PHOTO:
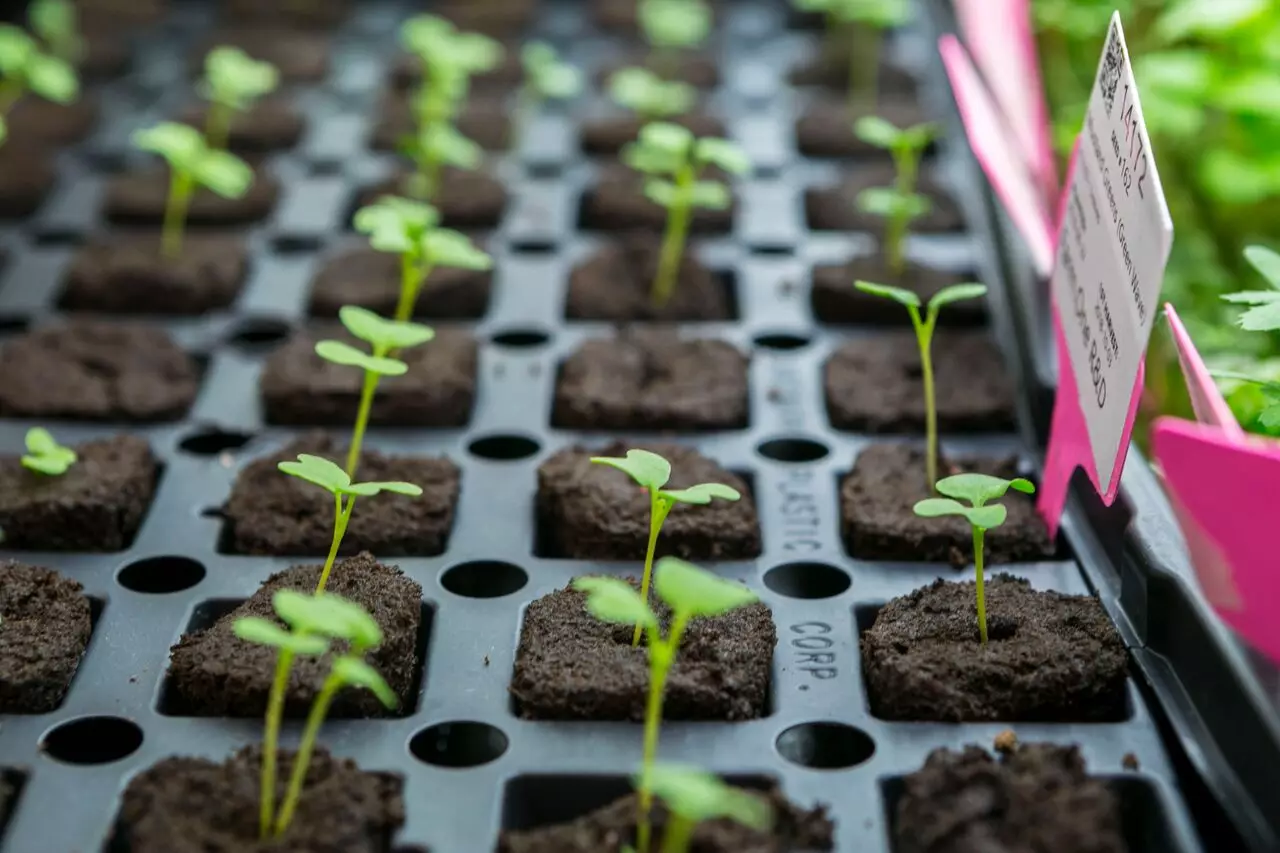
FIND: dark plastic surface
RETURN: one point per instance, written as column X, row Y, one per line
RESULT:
column 469, row 764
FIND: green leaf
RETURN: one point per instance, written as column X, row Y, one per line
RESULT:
column 711, row 195
column 45, row 455
column 328, row 614
column 614, row 600
column 1265, row 261
column 645, row 467
column 877, row 131
column 935, row 507
column 51, row 466
column 395, row 224
column 897, row 294
column 674, row 23
column 917, row 137
column 317, row 470
column 986, row 517
column 547, row 75
column 648, row 95
column 957, row 293
column 421, row 33
column 663, row 193
column 224, row 173
column 703, row 493
column 40, row 441
column 667, row 136
column 372, row 488
column 52, row 79
column 1019, row 484
column 699, row 796
column 1256, row 92
column 54, row 21
column 354, row 672
column 651, row 161
column 236, row 79
column 180, row 144
column 16, row 48
column 976, row 488
column 1264, row 318
column 689, row 589
column 450, row 147
column 723, row 153
column 388, row 334
column 449, row 248
column 1196, row 18
column 888, row 202
column 266, row 633
column 342, row 353
column 1270, row 417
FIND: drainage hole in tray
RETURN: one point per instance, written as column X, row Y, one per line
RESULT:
column 458, row 744
column 807, row 580
column 781, row 341
column 211, row 441
column 503, row 448
column 484, row 579
column 159, row 575
column 258, row 332
column 92, row 740
column 521, row 338
column 792, row 449
column 825, row 746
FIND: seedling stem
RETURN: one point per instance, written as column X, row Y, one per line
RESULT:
column 673, row 238
column 175, row 214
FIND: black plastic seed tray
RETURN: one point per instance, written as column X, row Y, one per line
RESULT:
column 471, row 766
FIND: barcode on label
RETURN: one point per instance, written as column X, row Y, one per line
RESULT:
column 1112, row 66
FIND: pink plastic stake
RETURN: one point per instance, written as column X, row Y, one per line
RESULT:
column 1206, row 399
column 991, row 141
column 1223, row 491
column 999, row 35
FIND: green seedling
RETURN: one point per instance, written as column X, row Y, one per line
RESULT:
column 694, row 796
column 924, row 339
column 410, row 229
column 328, row 476
column 651, row 472
column 233, row 81
column 25, row 68
column 649, row 96
column 900, row 204
column 860, row 24
column 690, row 593
column 313, row 621
column 1263, row 315
column 673, row 158
column 386, row 338
column 192, row 163
column 45, row 455
column 671, row 26
column 54, row 23
column 977, row 489
column 546, row 78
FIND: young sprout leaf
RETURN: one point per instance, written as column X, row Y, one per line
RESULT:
column 648, row 95
column 185, row 150
column 689, row 589
column 547, row 75
column 712, row 195
column 318, row 471
column 897, row 294
column 714, row 151
column 448, row 248
column 266, row 633
column 45, row 455
column 421, row 33
column 674, row 23
column 877, row 131
column 54, row 21
column 387, row 334
column 224, row 173
column 614, row 600
column 666, row 136
column 645, row 467
column 703, row 493
column 356, row 673
column 980, row 488
column 16, row 48
column 234, row 78
column 1266, row 262
column 985, row 517
column 699, row 796
column 956, row 293
column 52, row 79
column 887, row 202
column 447, row 145
column 370, row 489
column 342, row 353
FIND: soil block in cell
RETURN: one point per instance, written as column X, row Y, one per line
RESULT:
column 571, row 666
column 362, row 276
column 187, row 803
column 127, row 274
column 212, row 672
column 105, row 55
column 616, row 283
column 825, row 128
column 835, row 208
column 298, row 56
column 700, row 70
column 588, row 511
column 877, row 521
column 96, row 371
column 467, row 199
column 406, row 71
column 97, row 505
column 299, row 388
column 46, row 619
column 1038, row 798
column 35, row 121
column 834, row 299
column 894, row 84
column 608, row 135
column 1049, row 656
column 651, row 379
column 486, row 122
column 141, row 197
column 270, row 124
column 316, row 14
column 605, row 828
column 270, row 513
column 26, row 176
column 492, row 17
column 617, row 203
column 875, row 384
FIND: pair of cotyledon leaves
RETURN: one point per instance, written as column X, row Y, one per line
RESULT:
column 883, row 14
column 674, row 23
column 652, row 472
column 977, row 489
column 669, row 149
column 45, row 455
column 332, row 478
column 945, row 296
column 688, row 590
column 905, row 143
column 648, row 95
column 22, row 60
column 235, row 79
column 447, row 51
column 698, row 796
column 186, row 151
column 546, row 74
column 402, row 226
column 385, row 336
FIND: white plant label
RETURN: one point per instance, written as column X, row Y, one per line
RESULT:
column 1112, row 249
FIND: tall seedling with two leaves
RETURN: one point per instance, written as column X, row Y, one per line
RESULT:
column 232, row 82
column 924, row 340
column 673, row 159
column 24, row 68
column 314, row 621
column 651, row 472
column 671, row 26
column 411, row 230
column 900, row 204
column 978, row 490
column 691, row 593
column 192, row 163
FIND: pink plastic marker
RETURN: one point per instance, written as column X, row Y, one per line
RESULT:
column 991, row 141
column 990, row 28
column 1206, row 399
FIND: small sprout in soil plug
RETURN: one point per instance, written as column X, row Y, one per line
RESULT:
column 314, row 621
column 327, row 475
column 690, row 592
column 409, row 229
column 862, row 23
column 649, row 96
column 45, row 455
column 665, row 149
column 652, row 472
column 671, row 26
column 192, row 163
column 386, row 337
column 977, row 489
column 546, row 78
column 233, row 80
column 899, row 204
column 924, row 339
column 694, row 796
column 54, row 22
column 25, row 68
